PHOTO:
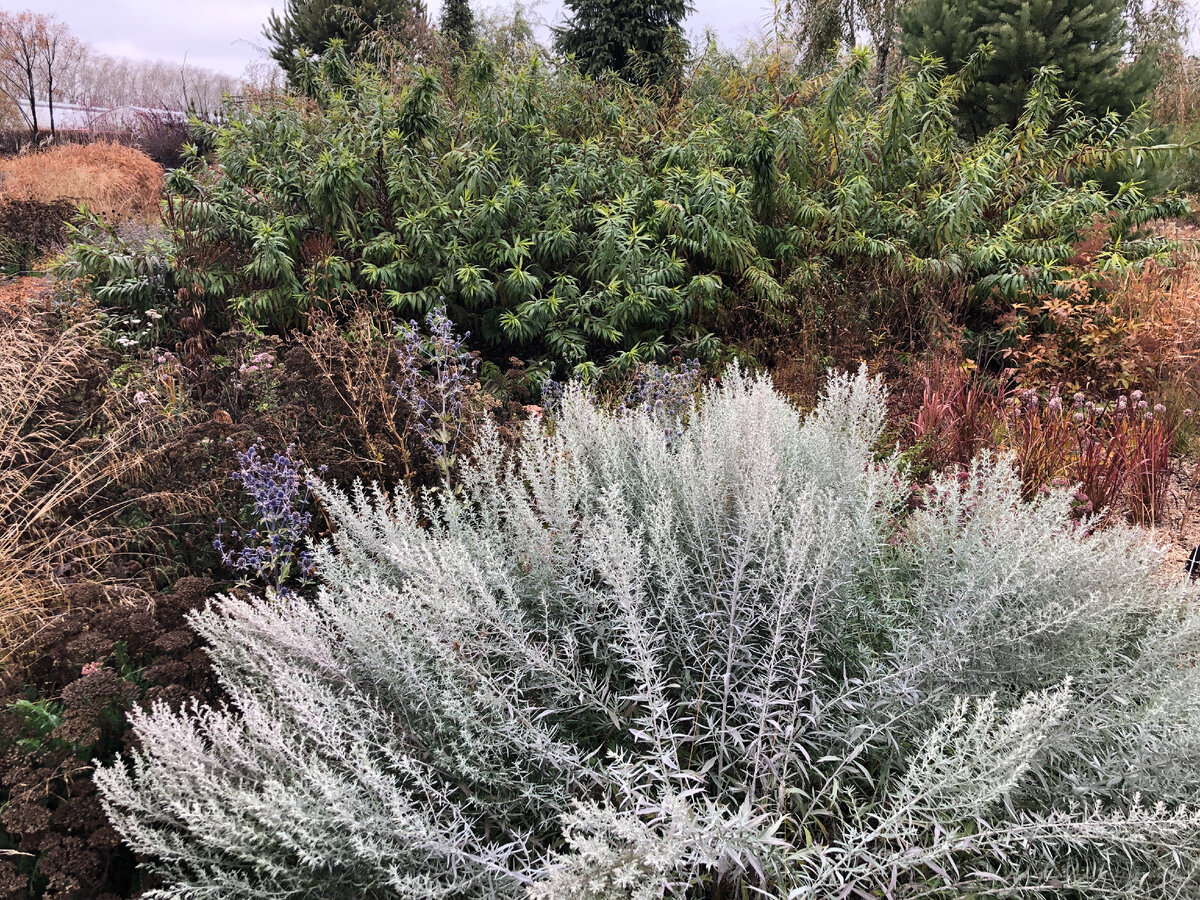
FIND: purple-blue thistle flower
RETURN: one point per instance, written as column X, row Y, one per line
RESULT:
column 436, row 371
column 270, row 551
column 667, row 393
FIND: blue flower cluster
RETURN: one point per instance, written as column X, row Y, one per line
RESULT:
column 271, row 551
column 667, row 393
column 552, row 396
column 436, row 372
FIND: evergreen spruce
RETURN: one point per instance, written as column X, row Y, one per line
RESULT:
column 1086, row 40
column 637, row 39
column 458, row 22
column 310, row 25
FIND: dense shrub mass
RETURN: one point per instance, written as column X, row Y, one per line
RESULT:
column 115, row 479
column 30, row 229
column 654, row 636
column 581, row 223
column 703, row 659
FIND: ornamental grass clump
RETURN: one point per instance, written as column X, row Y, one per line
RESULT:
column 731, row 663
column 1118, row 455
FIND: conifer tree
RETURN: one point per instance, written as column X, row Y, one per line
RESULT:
column 458, row 22
column 636, row 38
column 310, row 25
column 1086, row 40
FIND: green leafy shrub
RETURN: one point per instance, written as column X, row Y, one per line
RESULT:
column 127, row 266
column 712, row 663
column 584, row 223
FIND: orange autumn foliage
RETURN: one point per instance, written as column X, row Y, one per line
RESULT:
column 1144, row 330
column 113, row 180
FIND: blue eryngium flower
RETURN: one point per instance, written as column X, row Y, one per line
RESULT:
column 436, row 372
column 270, row 551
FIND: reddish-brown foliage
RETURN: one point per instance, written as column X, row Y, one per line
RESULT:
column 67, row 709
column 1118, row 454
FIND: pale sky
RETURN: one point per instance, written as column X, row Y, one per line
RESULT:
column 226, row 34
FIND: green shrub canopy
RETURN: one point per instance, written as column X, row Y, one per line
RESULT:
column 580, row 224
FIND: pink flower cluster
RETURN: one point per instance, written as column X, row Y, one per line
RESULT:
column 260, row 362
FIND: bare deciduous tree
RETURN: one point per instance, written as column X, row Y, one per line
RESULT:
column 20, row 66
column 37, row 53
column 112, row 82
column 60, row 54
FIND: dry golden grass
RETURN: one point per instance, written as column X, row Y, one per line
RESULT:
column 58, row 458
column 34, row 372
column 116, row 181
column 1165, row 305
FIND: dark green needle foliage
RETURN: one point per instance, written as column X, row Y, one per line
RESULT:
column 636, row 39
column 308, row 26
column 1086, row 40
column 458, row 23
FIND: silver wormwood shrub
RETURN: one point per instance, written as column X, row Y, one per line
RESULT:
column 618, row 666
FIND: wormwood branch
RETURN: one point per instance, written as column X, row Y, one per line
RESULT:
column 726, row 659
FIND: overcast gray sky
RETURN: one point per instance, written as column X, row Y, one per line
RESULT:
column 225, row 34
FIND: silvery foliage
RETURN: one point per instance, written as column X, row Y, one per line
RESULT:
column 620, row 666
